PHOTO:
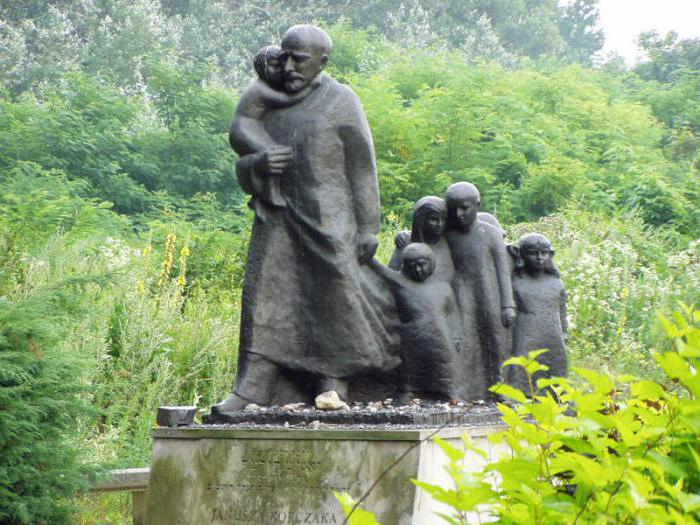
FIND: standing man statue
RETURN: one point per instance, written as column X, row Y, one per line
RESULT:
column 312, row 314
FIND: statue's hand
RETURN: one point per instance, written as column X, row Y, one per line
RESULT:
column 274, row 160
column 402, row 239
column 508, row 316
column 367, row 245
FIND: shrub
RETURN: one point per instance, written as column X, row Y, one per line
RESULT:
column 593, row 449
column 40, row 405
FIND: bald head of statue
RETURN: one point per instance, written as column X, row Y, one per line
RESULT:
column 305, row 50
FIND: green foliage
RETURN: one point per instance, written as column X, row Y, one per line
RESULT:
column 526, row 26
column 116, row 145
column 670, row 57
column 669, row 82
column 533, row 141
column 356, row 515
column 147, row 130
column 160, row 347
column 596, row 449
column 163, row 332
column 123, row 39
column 578, row 26
column 43, row 203
column 605, row 449
column 40, row 405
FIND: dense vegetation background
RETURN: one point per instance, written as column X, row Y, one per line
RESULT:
column 124, row 232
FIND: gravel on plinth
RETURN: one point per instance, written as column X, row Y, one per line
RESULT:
column 372, row 415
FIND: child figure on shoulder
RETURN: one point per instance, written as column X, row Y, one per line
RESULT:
column 248, row 135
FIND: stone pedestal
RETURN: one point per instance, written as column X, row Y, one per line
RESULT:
column 228, row 475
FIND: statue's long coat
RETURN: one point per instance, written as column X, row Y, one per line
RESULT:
column 308, row 305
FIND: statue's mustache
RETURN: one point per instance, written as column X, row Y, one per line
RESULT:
column 293, row 76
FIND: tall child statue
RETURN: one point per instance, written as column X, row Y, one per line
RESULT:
column 482, row 286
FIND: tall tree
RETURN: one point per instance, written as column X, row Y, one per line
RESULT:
column 669, row 56
column 578, row 26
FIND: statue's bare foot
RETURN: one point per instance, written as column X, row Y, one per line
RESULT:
column 233, row 403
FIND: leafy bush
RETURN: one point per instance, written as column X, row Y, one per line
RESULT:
column 41, row 404
column 533, row 141
column 125, row 149
column 593, row 449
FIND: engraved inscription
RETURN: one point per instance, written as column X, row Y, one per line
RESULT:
column 264, row 484
column 237, row 515
column 279, row 470
column 273, row 473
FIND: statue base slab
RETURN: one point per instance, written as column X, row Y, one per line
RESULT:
column 252, row 476
column 425, row 414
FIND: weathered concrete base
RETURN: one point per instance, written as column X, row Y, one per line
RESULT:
column 229, row 475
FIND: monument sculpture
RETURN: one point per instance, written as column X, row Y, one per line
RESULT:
column 482, row 285
column 429, row 216
column 541, row 302
column 401, row 240
column 324, row 325
column 248, row 134
column 318, row 312
column 429, row 324
column 308, row 308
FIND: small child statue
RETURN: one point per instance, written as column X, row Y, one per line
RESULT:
column 541, row 305
column 429, row 320
column 247, row 134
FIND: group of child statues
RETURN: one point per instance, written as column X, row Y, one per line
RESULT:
column 467, row 302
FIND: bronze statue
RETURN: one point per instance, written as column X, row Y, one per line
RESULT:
column 541, row 302
column 312, row 313
column 482, row 286
column 429, row 216
column 248, row 133
column 429, row 321
column 401, row 240
column 319, row 314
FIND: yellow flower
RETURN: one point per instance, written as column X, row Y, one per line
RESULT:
column 167, row 261
column 184, row 253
